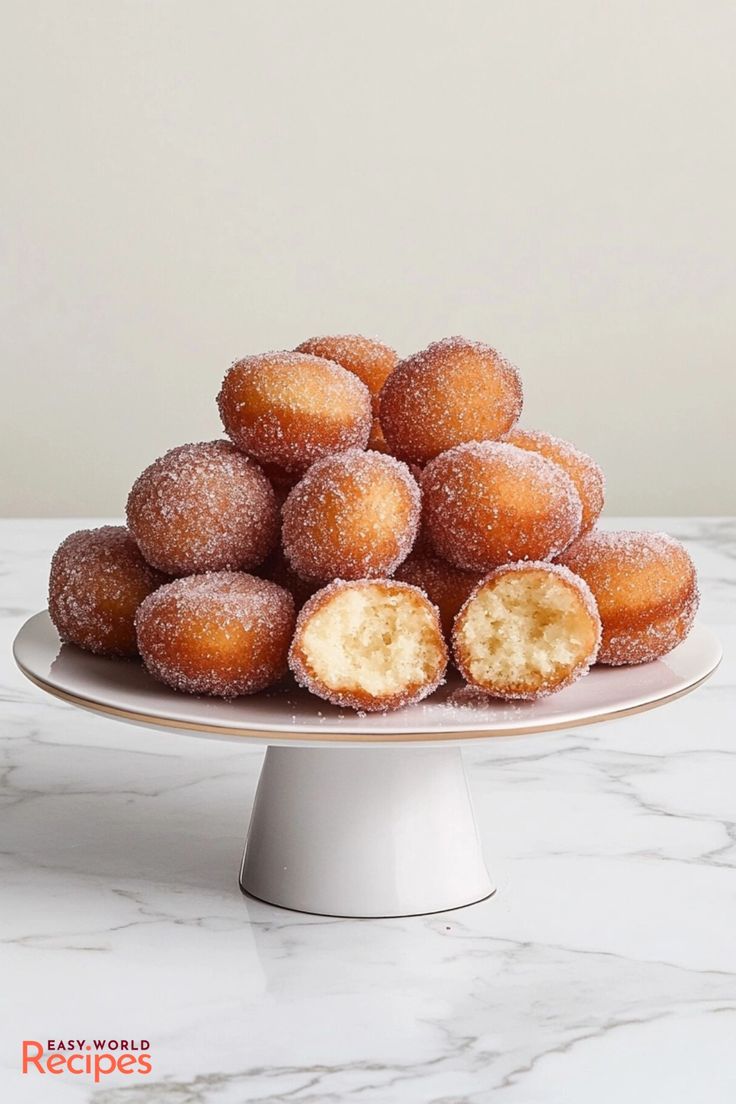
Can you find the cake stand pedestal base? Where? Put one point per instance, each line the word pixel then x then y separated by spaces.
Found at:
pixel 354 831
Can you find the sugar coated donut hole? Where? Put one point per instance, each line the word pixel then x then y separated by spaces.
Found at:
pixel 587 476
pixel 98 579
pixel 352 516
pixel 291 409
pixel 203 507
pixel 370 360
pixel 446 586
pixel 526 631
pixel 646 589
pixel 224 633
pixel 487 503
pixel 451 392
pixel 371 644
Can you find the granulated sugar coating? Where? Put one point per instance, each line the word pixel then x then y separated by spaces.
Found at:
pixel 222 634
pixel 369 644
pixel 203 507
pixel 526 631
pixel 370 360
pixel 453 391
pixel 291 409
pixel 487 503
pixel 646 590
pixel 587 476
pixel 98 579
pixel 352 516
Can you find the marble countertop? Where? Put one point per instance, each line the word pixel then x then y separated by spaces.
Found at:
pixel 603 970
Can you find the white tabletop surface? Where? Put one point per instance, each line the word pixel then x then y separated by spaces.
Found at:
pixel 604 968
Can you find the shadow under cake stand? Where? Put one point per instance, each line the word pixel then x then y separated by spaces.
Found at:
pixel 359 815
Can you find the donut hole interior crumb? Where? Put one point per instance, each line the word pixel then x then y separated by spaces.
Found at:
pixel 372 641
pixel 524 629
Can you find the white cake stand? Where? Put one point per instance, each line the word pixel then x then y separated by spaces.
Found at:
pixel 358 816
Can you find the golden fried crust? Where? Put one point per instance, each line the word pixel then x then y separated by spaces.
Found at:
pixel 302 664
pixel 588 634
pixel 646 589
pixel 371 361
pixel 447 587
pixel 352 516
pixel 222 634
pixel 291 409
pixel 453 391
pixel 587 476
pixel 98 579
pixel 488 503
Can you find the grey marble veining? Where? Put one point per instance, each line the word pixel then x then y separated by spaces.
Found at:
pixel 604 968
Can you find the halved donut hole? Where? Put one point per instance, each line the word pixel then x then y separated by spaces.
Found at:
pixel 526 632
pixel 374 645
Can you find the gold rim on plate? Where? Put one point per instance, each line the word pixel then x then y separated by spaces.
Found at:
pixel 347 737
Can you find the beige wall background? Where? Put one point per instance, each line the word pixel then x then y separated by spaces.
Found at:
pixel 187 182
